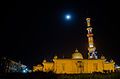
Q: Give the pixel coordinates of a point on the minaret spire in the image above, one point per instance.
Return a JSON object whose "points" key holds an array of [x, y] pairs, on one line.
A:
{"points": [[92, 53]]}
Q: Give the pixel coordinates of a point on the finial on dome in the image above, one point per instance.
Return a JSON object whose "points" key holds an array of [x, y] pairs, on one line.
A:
{"points": [[76, 51]]}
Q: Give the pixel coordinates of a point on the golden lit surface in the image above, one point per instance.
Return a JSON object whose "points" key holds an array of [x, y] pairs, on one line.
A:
{"points": [[37, 68], [71, 66], [88, 35]]}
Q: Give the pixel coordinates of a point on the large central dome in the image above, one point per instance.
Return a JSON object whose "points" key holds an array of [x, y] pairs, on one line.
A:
{"points": [[77, 55]]}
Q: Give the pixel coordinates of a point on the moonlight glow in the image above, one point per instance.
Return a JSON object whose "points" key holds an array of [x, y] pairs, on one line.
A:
{"points": [[68, 17]]}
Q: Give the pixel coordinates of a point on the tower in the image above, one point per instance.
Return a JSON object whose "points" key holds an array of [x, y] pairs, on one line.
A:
{"points": [[92, 54]]}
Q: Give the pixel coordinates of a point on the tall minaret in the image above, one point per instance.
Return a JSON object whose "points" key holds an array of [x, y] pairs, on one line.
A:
{"points": [[92, 53]]}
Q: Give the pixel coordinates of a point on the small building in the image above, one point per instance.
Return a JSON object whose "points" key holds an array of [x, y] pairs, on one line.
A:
{"points": [[7, 66]]}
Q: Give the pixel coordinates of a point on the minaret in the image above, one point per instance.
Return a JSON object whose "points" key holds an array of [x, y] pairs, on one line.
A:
{"points": [[92, 53]]}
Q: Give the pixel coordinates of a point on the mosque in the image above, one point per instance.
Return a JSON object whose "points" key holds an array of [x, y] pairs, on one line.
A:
{"points": [[77, 64]]}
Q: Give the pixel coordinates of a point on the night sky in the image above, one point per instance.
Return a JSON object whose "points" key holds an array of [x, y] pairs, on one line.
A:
{"points": [[33, 30]]}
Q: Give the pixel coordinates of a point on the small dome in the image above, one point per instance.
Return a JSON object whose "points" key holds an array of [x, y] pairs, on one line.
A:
{"points": [[44, 61], [77, 55], [55, 57], [102, 57]]}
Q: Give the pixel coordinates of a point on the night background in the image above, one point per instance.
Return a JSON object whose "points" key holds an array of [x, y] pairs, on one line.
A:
{"points": [[33, 30]]}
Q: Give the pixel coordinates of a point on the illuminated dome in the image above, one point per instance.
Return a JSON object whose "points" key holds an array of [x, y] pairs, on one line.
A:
{"points": [[55, 57], [102, 57], [77, 55]]}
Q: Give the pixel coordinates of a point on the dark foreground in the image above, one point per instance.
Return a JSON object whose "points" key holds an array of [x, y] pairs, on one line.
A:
{"points": [[50, 75]]}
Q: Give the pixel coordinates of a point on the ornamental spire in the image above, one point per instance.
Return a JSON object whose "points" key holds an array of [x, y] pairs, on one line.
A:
{"points": [[92, 49]]}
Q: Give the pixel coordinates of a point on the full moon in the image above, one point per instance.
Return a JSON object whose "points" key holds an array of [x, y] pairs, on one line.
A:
{"points": [[68, 16]]}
